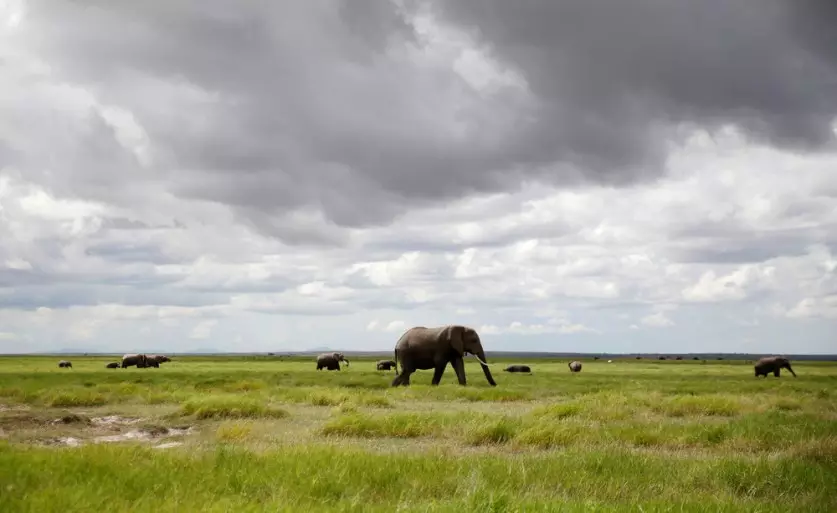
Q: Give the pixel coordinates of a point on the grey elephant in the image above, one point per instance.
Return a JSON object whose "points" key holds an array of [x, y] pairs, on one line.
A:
{"points": [[385, 365], [433, 348], [772, 364], [65, 364], [331, 361], [575, 366], [517, 368], [154, 360], [140, 360], [112, 365]]}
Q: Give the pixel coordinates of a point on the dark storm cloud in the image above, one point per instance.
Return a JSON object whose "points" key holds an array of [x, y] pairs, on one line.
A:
{"points": [[276, 106], [769, 65]]}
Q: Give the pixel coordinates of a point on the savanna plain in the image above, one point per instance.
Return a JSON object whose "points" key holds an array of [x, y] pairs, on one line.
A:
{"points": [[273, 434]]}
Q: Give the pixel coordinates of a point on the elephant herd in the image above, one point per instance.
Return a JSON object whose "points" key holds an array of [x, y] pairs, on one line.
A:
{"points": [[422, 348], [141, 361]]}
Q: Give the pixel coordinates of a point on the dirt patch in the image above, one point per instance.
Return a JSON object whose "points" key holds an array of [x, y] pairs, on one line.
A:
{"points": [[167, 445], [143, 435], [71, 418], [114, 420], [6, 407]]}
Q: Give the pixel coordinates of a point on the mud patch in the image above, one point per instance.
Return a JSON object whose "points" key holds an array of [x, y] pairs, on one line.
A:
{"points": [[114, 420], [6, 407], [144, 435], [71, 418]]}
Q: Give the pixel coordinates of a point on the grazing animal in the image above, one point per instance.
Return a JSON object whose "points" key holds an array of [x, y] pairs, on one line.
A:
{"points": [[639, 358], [679, 358], [574, 366], [595, 357], [696, 358], [140, 360], [662, 357], [772, 364], [433, 348], [331, 361], [386, 365], [154, 360], [112, 365], [518, 368], [65, 363]]}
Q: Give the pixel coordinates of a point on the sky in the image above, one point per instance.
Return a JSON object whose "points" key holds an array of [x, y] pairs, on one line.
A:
{"points": [[575, 175]]}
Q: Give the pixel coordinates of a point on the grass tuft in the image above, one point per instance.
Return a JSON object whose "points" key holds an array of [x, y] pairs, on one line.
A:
{"points": [[230, 407]]}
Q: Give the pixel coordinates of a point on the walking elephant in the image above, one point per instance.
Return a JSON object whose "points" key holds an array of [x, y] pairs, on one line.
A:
{"points": [[574, 366], [331, 361], [517, 368], [385, 365], [154, 360], [433, 348], [65, 364], [140, 360], [772, 364], [112, 365]]}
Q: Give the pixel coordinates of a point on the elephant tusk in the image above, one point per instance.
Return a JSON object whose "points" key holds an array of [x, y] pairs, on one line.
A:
{"points": [[478, 358]]}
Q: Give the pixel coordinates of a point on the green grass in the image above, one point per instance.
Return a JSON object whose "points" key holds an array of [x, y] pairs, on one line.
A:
{"points": [[277, 435]]}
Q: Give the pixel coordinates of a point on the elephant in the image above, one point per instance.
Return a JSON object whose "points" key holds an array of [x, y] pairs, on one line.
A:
{"points": [[112, 365], [574, 366], [678, 358], [65, 363], [518, 368], [595, 357], [661, 358], [140, 360], [385, 365], [772, 364], [696, 358], [331, 361], [433, 348], [154, 360]]}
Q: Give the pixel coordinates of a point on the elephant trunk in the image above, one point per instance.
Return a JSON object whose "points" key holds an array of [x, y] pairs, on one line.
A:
{"points": [[791, 370], [481, 357], [347, 362]]}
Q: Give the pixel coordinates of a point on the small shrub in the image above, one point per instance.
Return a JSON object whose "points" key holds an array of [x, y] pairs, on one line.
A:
{"points": [[558, 411], [405, 425]]}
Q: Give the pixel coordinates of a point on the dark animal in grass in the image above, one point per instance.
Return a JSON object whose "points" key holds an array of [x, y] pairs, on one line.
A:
{"points": [[662, 357], [433, 348], [517, 368], [772, 364], [65, 364], [679, 358], [385, 365], [696, 358], [595, 357], [133, 359], [574, 366], [154, 360], [331, 361], [112, 365]]}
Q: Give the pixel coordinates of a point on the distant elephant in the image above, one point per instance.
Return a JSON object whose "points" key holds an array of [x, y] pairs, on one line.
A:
{"points": [[112, 365], [140, 360], [772, 364], [574, 366], [595, 357], [154, 360], [679, 358], [385, 365], [65, 363], [331, 361], [518, 368], [433, 348], [662, 358], [639, 358]]}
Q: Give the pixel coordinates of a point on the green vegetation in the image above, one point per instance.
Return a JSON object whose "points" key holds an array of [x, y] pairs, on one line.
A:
{"points": [[256, 433]]}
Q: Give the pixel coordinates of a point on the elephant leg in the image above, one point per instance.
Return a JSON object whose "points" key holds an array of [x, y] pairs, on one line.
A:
{"points": [[437, 374], [459, 367], [403, 378]]}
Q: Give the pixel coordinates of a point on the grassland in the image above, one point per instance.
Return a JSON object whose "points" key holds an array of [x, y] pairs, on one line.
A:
{"points": [[263, 434]]}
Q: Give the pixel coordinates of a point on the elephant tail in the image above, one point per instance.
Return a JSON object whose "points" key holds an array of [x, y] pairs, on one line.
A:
{"points": [[396, 360]]}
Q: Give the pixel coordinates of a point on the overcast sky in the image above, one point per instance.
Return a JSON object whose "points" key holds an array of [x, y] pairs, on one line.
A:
{"points": [[573, 175]]}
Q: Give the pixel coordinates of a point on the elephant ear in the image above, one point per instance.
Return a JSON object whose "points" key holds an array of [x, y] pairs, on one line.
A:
{"points": [[455, 337]]}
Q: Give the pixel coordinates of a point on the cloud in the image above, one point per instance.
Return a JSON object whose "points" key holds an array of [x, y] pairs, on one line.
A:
{"points": [[252, 179]]}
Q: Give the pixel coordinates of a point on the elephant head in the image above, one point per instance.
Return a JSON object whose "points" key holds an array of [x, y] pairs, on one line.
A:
{"points": [[341, 358], [463, 339]]}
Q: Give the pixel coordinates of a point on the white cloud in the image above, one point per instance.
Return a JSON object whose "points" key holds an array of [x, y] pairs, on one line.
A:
{"points": [[203, 329]]}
